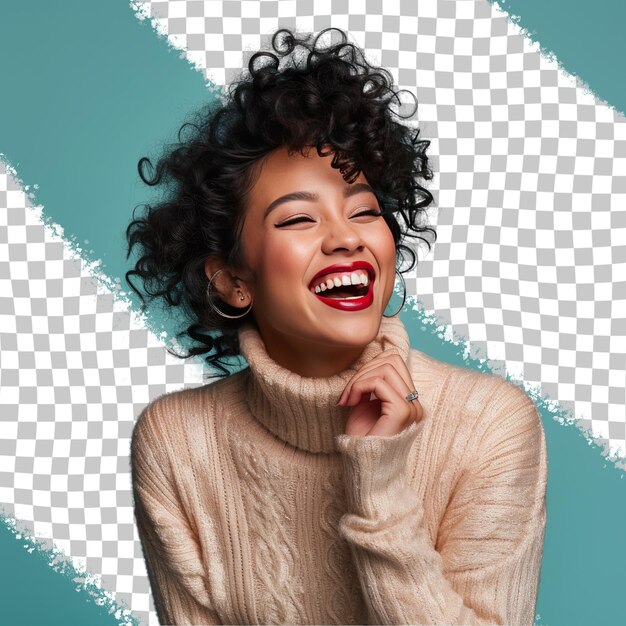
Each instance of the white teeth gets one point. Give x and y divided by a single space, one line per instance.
353 278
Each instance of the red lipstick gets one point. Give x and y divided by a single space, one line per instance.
348 267
352 304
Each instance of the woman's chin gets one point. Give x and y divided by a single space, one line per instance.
353 332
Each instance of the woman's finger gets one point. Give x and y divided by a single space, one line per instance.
384 391
384 371
395 411
388 370
385 357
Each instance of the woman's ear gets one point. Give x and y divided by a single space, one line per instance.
225 283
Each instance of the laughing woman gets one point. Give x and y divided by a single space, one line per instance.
341 477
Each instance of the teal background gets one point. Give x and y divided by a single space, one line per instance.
586 37
33 592
92 89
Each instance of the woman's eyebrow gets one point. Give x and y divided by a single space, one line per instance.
309 196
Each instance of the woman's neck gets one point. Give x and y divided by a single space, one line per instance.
310 359
302 410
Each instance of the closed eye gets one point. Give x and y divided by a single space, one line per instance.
295 220
298 220
374 212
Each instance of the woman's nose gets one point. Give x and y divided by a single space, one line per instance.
341 235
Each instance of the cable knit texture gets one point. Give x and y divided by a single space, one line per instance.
254 507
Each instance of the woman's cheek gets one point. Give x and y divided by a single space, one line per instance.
282 269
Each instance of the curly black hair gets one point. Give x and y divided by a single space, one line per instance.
327 96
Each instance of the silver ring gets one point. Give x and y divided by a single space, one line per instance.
412 396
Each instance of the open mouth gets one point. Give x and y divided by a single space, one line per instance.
346 292
330 289
347 289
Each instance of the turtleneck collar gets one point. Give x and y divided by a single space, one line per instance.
301 411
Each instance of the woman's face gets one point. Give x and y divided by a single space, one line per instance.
329 230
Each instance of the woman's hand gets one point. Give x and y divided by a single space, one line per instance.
387 377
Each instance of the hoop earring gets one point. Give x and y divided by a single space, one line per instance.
403 297
241 297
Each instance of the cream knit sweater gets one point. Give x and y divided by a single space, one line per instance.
253 507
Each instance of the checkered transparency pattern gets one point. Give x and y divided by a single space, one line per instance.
76 368
529 262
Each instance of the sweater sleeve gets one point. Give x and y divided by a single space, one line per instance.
172 552
485 564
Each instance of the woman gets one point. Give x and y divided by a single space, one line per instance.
316 485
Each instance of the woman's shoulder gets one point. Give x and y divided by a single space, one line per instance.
167 414
172 433
482 398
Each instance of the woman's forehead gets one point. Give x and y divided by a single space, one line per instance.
282 172
282 177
